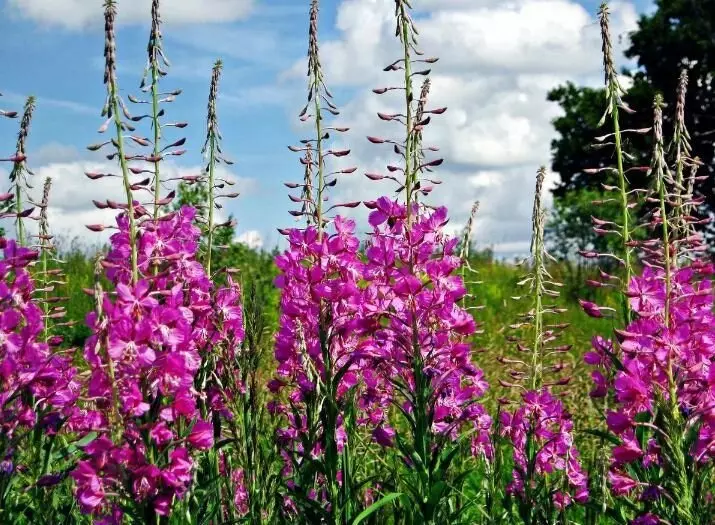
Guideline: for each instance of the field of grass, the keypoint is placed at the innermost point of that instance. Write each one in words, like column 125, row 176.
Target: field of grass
column 492, row 290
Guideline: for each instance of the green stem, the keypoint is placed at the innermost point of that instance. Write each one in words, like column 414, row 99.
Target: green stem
column 319, row 148
column 157, row 134
column 116, row 430
column 423, row 435
column 666, row 249
column 329, row 414
column 19, row 225
column 538, row 313
column 46, row 293
column 212, row 200
column 409, row 145
column 625, row 227
column 114, row 101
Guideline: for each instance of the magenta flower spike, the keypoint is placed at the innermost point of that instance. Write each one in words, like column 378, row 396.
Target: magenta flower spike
column 147, row 347
column 38, row 386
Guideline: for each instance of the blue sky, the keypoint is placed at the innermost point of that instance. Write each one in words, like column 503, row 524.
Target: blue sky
column 494, row 84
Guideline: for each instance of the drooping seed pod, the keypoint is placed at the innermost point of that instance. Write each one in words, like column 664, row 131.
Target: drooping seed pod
column 413, row 176
column 318, row 178
column 15, row 206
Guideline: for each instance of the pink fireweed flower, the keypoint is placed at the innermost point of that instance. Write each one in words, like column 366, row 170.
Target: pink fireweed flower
column 320, row 325
column 147, row 333
column 240, row 496
column 384, row 435
column 411, row 302
column 542, row 419
column 620, row 483
column 37, row 385
column 202, row 435
column 661, row 375
column 313, row 271
column 647, row 519
column 652, row 351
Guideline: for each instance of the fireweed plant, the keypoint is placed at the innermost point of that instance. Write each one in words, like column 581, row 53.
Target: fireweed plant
column 316, row 345
column 38, row 382
column 19, row 192
column 419, row 333
column 151, row 335
column 654, row 376
column 203, row 191
column 547, row 472
column 617, row 266
column 370, row 411
column 660, row 365
column 49, row 275
column 221, row 477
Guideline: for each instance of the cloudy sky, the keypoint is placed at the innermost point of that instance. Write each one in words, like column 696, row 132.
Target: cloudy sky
column 498, row 60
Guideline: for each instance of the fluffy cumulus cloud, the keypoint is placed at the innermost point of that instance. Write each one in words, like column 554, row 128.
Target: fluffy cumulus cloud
column 498, row 59
column 77, row 14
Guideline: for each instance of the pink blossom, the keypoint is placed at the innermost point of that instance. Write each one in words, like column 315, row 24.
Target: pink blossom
column 202, row 435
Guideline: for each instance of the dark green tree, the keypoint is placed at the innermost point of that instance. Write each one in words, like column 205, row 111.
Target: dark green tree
column 679, row 34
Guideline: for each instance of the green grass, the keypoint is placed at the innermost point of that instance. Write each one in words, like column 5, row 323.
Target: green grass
column 494, row 294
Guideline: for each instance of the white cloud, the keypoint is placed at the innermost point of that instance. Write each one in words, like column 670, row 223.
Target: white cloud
column 252, row 238
column 498, row 59
column 78, row 14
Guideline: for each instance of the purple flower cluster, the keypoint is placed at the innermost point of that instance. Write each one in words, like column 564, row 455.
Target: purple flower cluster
column 662, row 357
column 37, row 385
column 313, row 271
column 144, row 353
column 240, row 495
column 662, row 376
column 411, row 303
column 321, row 317
column 368, row 321
column 542, row 424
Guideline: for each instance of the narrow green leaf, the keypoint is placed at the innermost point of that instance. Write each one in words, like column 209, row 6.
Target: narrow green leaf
column 376, row 506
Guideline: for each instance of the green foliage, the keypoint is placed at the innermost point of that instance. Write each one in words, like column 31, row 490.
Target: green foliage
column 677, row 34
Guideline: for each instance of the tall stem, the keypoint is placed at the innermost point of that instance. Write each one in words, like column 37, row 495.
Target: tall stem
column 614, row 91
column 625, row 226
column 320, row 159
column 212, row 202
column 682, row 151
column 316, row 92
column 125, row 180
column 45, row 247
column 113, row 108
column 19, row 168
column 211, row 147
column 409, row 146
column 154, row 50
column 19, row 225
column 537, row 248
column 102, row 349
column 330, row 422
column 157, row 134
